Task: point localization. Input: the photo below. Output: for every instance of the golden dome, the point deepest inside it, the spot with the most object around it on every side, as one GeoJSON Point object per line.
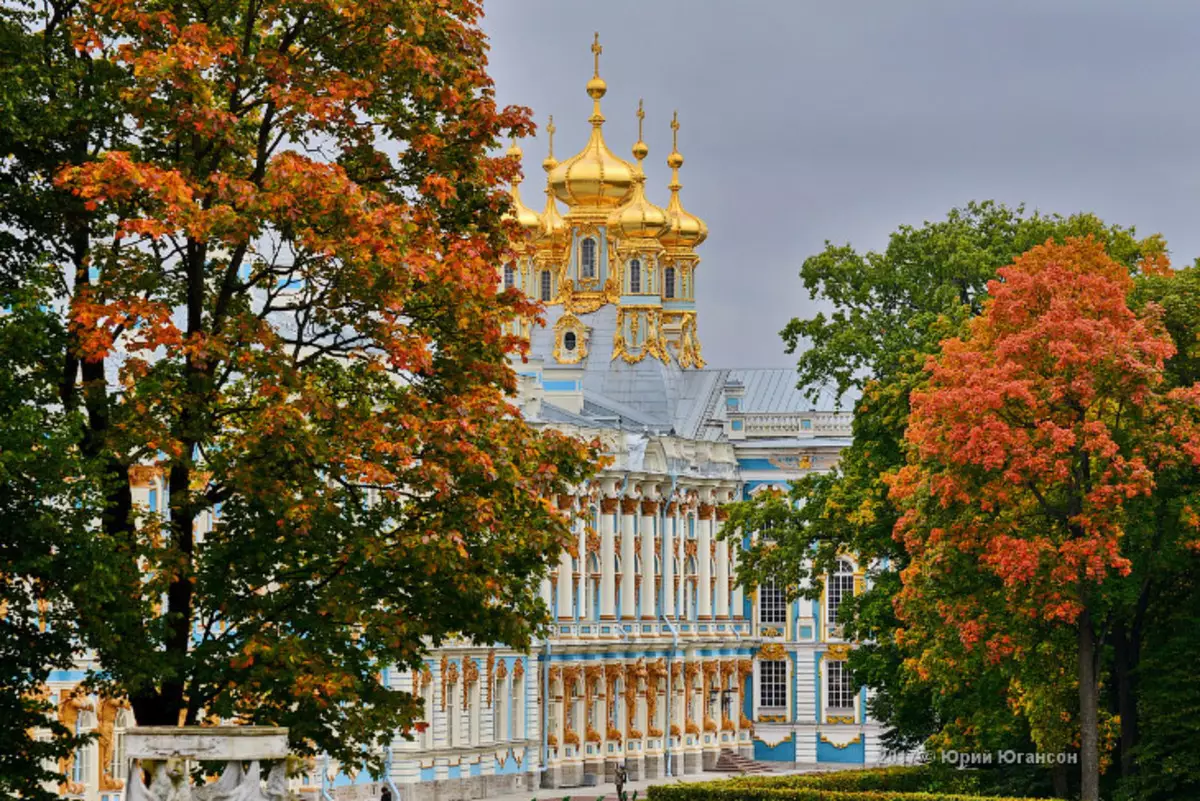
{"type": "Point", "coordinates": [686, 230]}
{"type": "Point", "coordinates": [529, 220]}
{"type": "Point", "coordinates": [553, 224]}
{"type": "Point", "coordinates": [639, 218]}
{"type": "Point", "coordinates": [594, 177]}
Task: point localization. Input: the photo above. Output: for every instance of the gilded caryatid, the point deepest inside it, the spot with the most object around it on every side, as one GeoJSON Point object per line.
{"type": "Point", "coordinates": [593, 181]}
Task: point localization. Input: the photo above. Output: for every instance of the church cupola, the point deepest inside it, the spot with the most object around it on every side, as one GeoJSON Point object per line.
{"type": "Point", "coordinates": [529, 220]}
{"type": "Point", "coordinates": [636, 227]}
{"type": "Point", "coordinates": [686, 230]}
{"type": "Point", "coordinates": [594, 179]}
{"type": "Point", "coordinates": [553, 226]}
{"type": "Point", "coordinates": [639, 218]}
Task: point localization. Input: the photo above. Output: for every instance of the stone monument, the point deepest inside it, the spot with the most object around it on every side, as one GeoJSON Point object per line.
{"type": "Point", "coordinates": [167, 754]}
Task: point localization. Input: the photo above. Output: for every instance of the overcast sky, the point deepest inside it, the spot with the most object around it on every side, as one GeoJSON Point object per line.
{"type": "Point", "coordinates": [804, 122]}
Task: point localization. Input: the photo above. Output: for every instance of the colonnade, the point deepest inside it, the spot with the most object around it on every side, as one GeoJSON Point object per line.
{"type": "Point", "coordinates": [634, 537]}
{"type": "Point", "coordinates": [604, 713]}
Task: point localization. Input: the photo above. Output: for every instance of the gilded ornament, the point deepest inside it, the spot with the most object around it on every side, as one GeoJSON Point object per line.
{"type": "Point", "coordinates": [772, 651]}
{"type": "Point", "coordinates": [837, 651]}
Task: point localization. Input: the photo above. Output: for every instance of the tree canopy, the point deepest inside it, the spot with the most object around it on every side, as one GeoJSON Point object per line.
{"type": "Point", "coordinates": [265, 237]}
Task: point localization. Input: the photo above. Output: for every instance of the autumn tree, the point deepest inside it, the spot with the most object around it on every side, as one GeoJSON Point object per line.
{"type": "Point", "coordinates": [1040, 429]}
{"type": "Point", "coordinates": [266, 233]}
{"type": "Point", "coordinates": [886, 313]}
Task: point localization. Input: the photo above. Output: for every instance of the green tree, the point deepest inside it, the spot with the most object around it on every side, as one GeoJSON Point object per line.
{"type": "Point", "coordinates": [37, 508]}
{"type": "Point", "coordinates": [296, 325]}
{"type": "Point", "coordinates": [890, 311]}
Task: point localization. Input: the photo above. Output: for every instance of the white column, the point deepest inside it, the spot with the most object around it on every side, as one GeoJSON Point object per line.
{"type": "Point", "coordinates": [647, 596]}
{"type": "Point", "coordinates": [668, 568]}
{"type": "Point", "coordinates": [739, 598]}
{"type": "Point", "coordinates": [680, 556]}
{"type": "Point", "coordinates": [547, 593]}
{"type": "Point", "coordinates": [721, 607]}
{"type": "Point", "coordinates": [581, 548]}
{"type": "Point", "coordinates": [608, 587]}
{"type": "Point", "coordinates": [704, 557]}
{"type": "Point", "coordinates": [628, 559]}
{"type": "Point", "coordinates": [564, 586]}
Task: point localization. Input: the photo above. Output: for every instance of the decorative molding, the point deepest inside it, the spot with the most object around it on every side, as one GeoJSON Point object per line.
{"type": "Point", "coordinates": [722, 514]}
{"type": "Point", "coordinates": [470, 676]}
{"type": "Point", "coordinates": [837, 652]}
{"type": "Point", "coordinates": [849, 719]}
{"type": "Point", "coordinates": [629, 506]}
{"type": "Point", "coordinates": [608, 506]}
{"type": "Point", "coordinates": [795, 461]}
{"type": "Point", "coordinates": [772, 651]}
{"type": "Point", "coordinates": [839, 746]}
{"type": "Point", "coordinates": [518, 670]}
{"type": "Point", "coordinates": [649, 507]}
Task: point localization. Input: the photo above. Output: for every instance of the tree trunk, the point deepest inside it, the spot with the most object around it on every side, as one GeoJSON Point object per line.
{"type": "Point", "coordinates": [1089, 743]}
{"type": "Point", "coordinates": [1058, 774]}
{"type": "Point", "coordinates": [1125, 660]}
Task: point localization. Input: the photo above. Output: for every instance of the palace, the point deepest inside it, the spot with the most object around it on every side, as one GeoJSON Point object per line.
{"type": "Point", "coordinates": [657, 660]}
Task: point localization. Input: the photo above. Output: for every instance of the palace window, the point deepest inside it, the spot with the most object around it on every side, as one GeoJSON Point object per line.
{"type": "Point", "coordinates": [510, 276]}
{"type": "Point", "coordinates": [545, 286]}
{"type": "Point", "coordinates": [840, 587]}
{"type": "Point", "coordinates": [772, 605]}
{"type": "Point", "coordinates": [840, 686]}
{"type": "Point", "coordinates": [635, 276]}
{"type": "Point", "coordinates": [772, 684]}
{"type": "Point", "coordinates": [498, 696]}
{"type": "Point", "coordinates": [118, 768]}
{"type": "Point", "coordinates": [518, 696]}
{"type": "Point", "coordinates": [569, 340]}
{"type": "Point", "coordinates": [669, 282]}
{"type": "Point", "coordinates": [587, 258]}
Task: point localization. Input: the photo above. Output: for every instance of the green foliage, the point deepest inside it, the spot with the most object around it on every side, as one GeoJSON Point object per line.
{"type": "Point", "coordinates": [39, 507]}
{"type": "Point", "coordinates": [890, 312]}
{"type": "Point", "coordinates": [898, 783]}
{"type": "Point", "coordinates": [221, 272]}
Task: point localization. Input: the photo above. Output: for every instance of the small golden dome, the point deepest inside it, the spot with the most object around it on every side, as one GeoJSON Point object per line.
{"type": "Point", "coordinates": [553, 225]}
{"type": "Point", "coordinates": [594, 177]}
{"type": "Point", "coordinates": [529, 220]}
{"type": "Point", "coordinates": [639, 218]}
{"type": "Point", "coordinates": [685, 229]}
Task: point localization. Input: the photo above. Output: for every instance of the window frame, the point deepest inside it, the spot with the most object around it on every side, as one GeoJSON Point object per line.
{"type": "Point", "coordinates": [546, 287]}
{"type": "Point", "coordinates": [839, 586]}
{"type": "Point", "coordinates": [635, 276]}
{"type": "Point", "coordinates": [588, 267]}
{"type": "Point", "coordinates": [772, 684]}
{"type": "Point", "coordinates": [669, 283]}
{"type": "Point", "coordinates": [777, 605]}
{"type": "Point", "coordinates": [839, 686]}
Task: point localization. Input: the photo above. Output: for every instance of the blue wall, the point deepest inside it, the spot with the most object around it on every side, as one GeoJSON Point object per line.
{"type": "Point", "coordinates": [780, 752]}
{"type": "Point", "coordinates": [855, 753]}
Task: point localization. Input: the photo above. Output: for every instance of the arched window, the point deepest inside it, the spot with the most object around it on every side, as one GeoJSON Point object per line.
{"type": "Point", "coordinates": [569, 340]}
{"type": "Point", "coordinates": [81, 770]}
{"type": "Point", "coordinates": [635, 276]}
{"type": "Point", "coordinates": [841, 586]}
{"type": "Point", "coordinates": [669, 282]}
{"type": "Point", "coordinates": [587, 258]}
{"type": "Point", "coordinates": [545, 286]}
{"type": "Point", "coordinates": [518, 695]}
{"type": "Point", "coordinates": [510, 276]}
{"type": "Point", "coordinates": [123, 721]}
{"type": "Point", "coordinates": [498, 695]}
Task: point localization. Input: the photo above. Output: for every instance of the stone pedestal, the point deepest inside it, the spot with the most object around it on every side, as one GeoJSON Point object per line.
{"type": "Point", "coordinates": [691, 762]}
{"type": "Point", "coordinates": [165, 751]}
{"type": "Point", "coordinates": [654, 766]}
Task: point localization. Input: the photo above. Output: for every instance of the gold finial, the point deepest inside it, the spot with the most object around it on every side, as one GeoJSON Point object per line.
{"type": "Point", "coordinates": [596, 51]}
{"type": "Point", "coordinates": [675, 160]}
{"type": "Point", "coordinates": [639, 147]}
{"type": "Point", "coordinates": [596, 87]}
{"type": "Point", "coordinates": [550, 162]}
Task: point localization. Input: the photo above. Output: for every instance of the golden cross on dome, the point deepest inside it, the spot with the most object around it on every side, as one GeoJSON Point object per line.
{"type": "Point", "coordinates": [675, 131]}
{"type": "Point", "coordinates": [641, 115]}
{"type": "Point", "coordinates": [596, 51]}
{"type": "Point", "coordinates": [550, 129]}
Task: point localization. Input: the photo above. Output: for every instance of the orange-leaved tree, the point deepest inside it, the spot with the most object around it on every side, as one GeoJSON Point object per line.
{"type": "Point", "coordinates": [1040, 430]}
{"type": "Point", "coordinates": [273, 266]}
